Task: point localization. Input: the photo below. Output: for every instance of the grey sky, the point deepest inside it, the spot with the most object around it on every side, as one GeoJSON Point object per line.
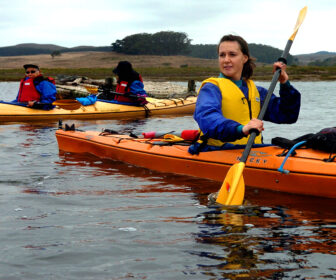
{"type": "Point", "coordinates": [71, 23]}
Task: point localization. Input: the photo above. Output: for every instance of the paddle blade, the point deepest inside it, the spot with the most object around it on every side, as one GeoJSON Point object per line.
{"type": "Point", "coordinates": [172, 138]}
{"type": "Point", "coordinates": [92, 89]}
{"type": "Point", "coordinates": [233, 188]}
{"type": "Point", "coordinates": [299, 21]}
{"type": "Point", "coordinates": [68, 104]}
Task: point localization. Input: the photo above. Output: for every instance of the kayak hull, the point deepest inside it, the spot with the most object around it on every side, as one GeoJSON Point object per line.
{"type": "Point", "coordinates": [99, 110]}
{"type": "Point", "coordinates": [308, 173]}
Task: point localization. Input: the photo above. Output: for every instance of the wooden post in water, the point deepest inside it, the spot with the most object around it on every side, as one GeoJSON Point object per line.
{"type": "Point", "coordinates": [110, 83]}
{"type": "Point", "coordinates": [191, 86]}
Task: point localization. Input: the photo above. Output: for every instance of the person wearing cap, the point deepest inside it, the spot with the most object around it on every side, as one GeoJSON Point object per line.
{"type": "Point", "coordinates": [129, 84]}
{"type": "Point", "coordinates": [35, 90]}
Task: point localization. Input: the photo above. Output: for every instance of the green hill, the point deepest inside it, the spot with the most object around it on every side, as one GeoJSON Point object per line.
{"type": "Point", "coordinates": [32, 49]}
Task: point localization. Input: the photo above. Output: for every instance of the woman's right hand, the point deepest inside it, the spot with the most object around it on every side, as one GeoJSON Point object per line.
{"type": "Point", "coordinates": [253, 124]}
{"type": "Point", "coordinates": [283, 78]}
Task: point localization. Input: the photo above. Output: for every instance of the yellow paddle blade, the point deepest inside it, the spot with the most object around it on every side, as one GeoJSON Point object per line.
{"type": "Point", "coordinates": [299, 21]}
{"type": "Point", "coordinates": [172, 138]}
{"type": "Point", "coordinates": [68, 104]}
{"type": "Point", "coordinates": [92, 89]}
{"type": "Point", "coordinates": [233, 188]}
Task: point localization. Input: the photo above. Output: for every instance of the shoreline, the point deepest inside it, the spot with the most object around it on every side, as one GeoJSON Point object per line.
{"type": "Point", "coordinates": [161, 90]}
{"type": "Point", "coordinates": [155, 89]}
{"type": "Point", "coordinates": [164, 74]}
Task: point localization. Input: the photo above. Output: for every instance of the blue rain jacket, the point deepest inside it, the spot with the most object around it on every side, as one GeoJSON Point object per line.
{"type": "Point", "coordinates": [208, 114]}
{"type": "Point", "coordinates": [47, 91]}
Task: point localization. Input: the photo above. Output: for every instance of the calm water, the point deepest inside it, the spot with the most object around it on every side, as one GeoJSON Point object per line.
{"type": "Point", "coordinates": [77, 217]}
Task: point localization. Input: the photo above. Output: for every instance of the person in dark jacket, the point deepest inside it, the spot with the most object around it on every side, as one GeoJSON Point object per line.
{"type": "Point", "coordinates": [129, 84]}
{"type": "Point", "coordinates": [227, 106]}
{"type": "Point", "coordinates": [36, 90]}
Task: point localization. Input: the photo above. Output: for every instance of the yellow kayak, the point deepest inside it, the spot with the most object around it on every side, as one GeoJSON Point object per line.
{"type": "Point", "coordinates": [99, 110]}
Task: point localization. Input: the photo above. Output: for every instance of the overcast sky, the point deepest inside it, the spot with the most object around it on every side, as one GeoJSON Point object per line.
{"type": "Point", "coordinates": [72, 23]}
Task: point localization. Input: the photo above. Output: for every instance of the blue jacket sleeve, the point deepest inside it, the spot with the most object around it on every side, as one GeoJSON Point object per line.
{"type": "Point", "coordinates": [88, 100]}
{"type": "Point", "coordinates": [48, 93]}
{"type": "Point", "coordinates": [284, 109]}
{"type": "Point", "coordinates": [208, 114]}
{"type": "Point", "coordinates": [137, 87]}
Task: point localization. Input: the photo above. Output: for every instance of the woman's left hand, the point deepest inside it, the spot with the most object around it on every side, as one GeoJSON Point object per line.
{"type": "Point", "coordinates": [283, 78]}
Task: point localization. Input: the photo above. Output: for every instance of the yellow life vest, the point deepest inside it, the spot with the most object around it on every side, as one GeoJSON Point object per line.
{"type": "Point", "coordinates": [236, 107]}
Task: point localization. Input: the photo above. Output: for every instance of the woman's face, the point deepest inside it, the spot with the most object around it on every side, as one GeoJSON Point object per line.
{"type": "Point", "coordinates": [231, 59]}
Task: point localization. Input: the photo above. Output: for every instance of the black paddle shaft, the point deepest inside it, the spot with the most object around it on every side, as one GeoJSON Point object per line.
{"type": "Point", "coordinates": [263, 110]}
{"type": "Point", "coordinates": [128, 94]}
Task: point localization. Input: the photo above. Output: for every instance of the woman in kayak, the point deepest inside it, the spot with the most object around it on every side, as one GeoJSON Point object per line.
{"type": "Point", "coordinates": [129, 84]}
{"type": "Point", "coordinates": [35, 90]}
{"type": "Point", "coordinates": [228, 106]}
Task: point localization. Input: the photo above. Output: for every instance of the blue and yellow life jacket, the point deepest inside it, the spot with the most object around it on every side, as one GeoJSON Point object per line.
{"type": "Point", "coordinates": [236, 107]}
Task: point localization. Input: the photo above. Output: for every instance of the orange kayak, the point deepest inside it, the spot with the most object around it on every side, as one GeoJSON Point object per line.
{"type": "Point", "coordinates": [306, 174]}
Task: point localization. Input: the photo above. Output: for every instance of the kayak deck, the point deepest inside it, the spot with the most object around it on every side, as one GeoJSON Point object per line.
{"type": "Point", "coordinates": [100, 110]}
{"type": "Point", "coordinates": [308, 173]}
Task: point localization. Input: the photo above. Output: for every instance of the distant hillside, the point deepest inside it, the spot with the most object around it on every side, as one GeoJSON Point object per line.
{"type": "Point", "coordinates": [330, 61]}
{"type": "Point", "coordinates": [321, 58]}
{"type": "Point", "coordinates": [267, 54]}
{"type": "Point", "coordinates": [32, 49]}
{"type": "Point", "coordinates": [263, 53]}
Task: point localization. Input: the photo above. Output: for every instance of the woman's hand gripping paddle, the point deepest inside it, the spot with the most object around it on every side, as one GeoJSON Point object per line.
{"type": "Point", "coordinates": [233, 188]}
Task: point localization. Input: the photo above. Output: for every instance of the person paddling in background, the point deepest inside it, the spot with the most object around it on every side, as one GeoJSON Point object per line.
{"type": "Point", "coordinates": [35, 90]}
{"type": "Point", "coordinates": [129, 84]}
{"type": "Point", "coordinates": [227, 107]}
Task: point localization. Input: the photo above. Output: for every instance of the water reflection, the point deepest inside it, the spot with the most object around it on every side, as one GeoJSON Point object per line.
{"type": "Point", "coordinates": [154, 182]}
{"type": "Point", "coordinates": [273, 241]}
{"type": "Point", "coordinates": [266, 238]}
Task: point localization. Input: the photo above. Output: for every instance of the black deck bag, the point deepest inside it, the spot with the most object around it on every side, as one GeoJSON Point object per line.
{"type": "Point", "coordinates": [324, 140]}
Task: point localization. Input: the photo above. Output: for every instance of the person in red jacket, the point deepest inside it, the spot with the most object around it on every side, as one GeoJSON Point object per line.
{"type": "Point", "coordinates": [129, 84]}
{"type": "Point", "coordinates": [36, 90]}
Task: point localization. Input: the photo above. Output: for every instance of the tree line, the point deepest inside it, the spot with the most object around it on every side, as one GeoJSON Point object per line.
{"type": "Point", "coordinates": [160, 43]}
{"type": "Point", "coordinates": [178, 43]}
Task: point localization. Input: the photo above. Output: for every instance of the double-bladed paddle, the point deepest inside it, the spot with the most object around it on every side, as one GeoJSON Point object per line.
{"type": "Point", "coordinates": [233, 188]}
{"type": "Point", "coordinates": [67, 104]}
{"type": "Point", "coordinates": [95, 90]}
